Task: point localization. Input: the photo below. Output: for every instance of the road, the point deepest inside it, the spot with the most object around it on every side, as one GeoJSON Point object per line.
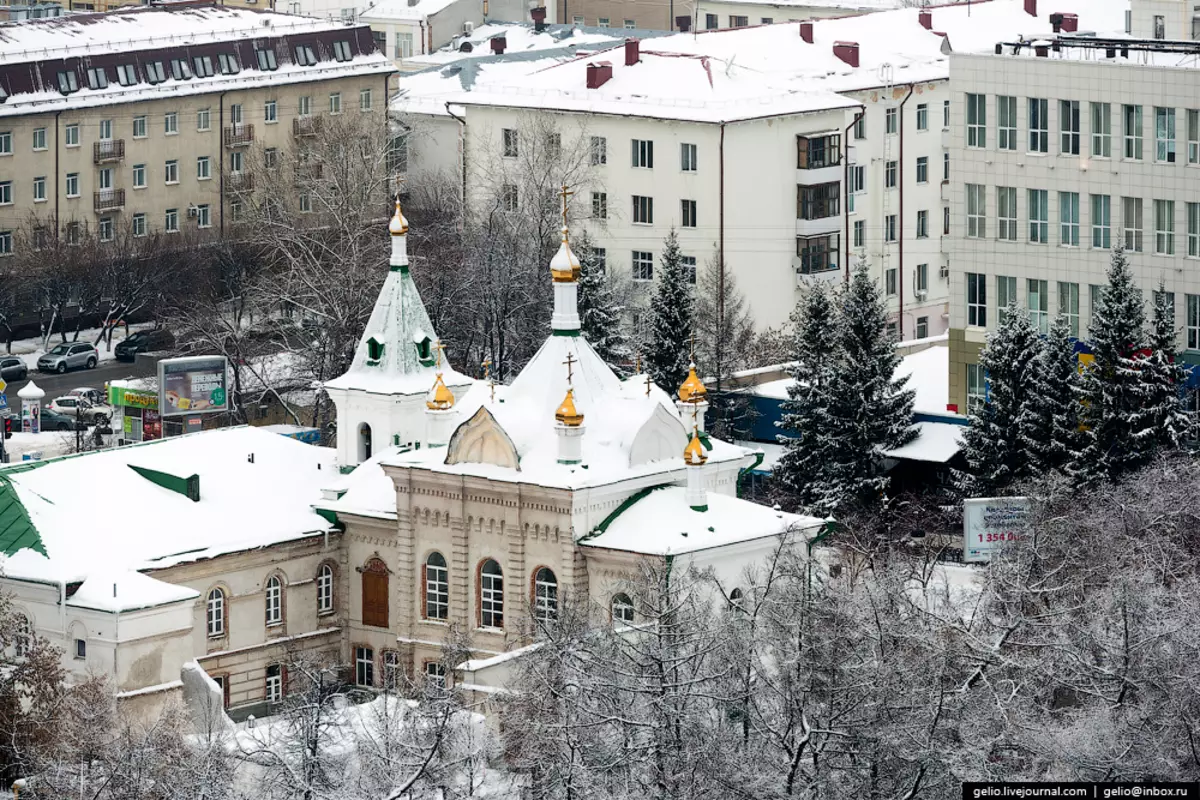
{"type": "Point", "coordinates": [58, 385]}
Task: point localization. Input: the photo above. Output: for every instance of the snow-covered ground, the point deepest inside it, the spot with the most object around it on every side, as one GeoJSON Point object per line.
{"type": "Point", "coordinates": [31, 349]}
{"type": "Point", "coordinates": [49, 443]}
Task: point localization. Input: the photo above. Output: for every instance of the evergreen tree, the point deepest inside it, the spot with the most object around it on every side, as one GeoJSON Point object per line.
{"type": "Point", "coordinates": [992, 444]}
{"type": "Point", "coordinates": [805, 422]}
{"type": "Point", "coordinates": [599, 312]}
{"type": "Point", "coordinates": [724, 341]}
{"type": "Point", "coordinates": [1113, 389]}
{"type": "Point", "coordinates": [669, 347]}
{"type": "Point", "coordinates": [869, 409]}
{"type": "Point", "coordinates": [1163, 411]}
{"type": "Point", "coordinates": [1049, 428]}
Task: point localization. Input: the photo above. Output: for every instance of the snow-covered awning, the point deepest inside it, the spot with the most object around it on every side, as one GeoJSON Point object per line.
{"type": "Point", "coordinates": [936, 443]}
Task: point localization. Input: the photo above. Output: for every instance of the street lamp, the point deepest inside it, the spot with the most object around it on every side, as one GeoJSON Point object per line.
{"type": "Point", "coordinates": [17, 786]}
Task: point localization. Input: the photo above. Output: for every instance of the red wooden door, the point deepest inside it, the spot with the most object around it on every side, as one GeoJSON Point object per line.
{"type": "Point", "coordinates": [375, 594]}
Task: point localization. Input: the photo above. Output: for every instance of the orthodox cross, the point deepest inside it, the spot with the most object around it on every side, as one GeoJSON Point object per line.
{"type": "Point", "coordinates": [487, 372]}
{"type": "Point", "coordinates": [637, 364]}
{"type": "Point", "coordinates": [571, 360]}
{"type": "Point", "coordinates": [439, 347]}
{"type": "Point", "coordinates": [564, 194]}
{"type": "Point", "coordinates": [400, 181]}
{"type": "Point", "coordinates": [647, 384]}
{"type": "Point", "coordinates": [692, 349]}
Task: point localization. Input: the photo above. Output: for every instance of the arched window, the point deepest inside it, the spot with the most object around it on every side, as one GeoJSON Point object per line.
{"type": "Point", "coordinates": [215, 608]}
{"type": "Point", "coordinates": [23, 639]}
{"type": "Point", "coordinates": [437, 587]}
{"type": "Point", "coordinates": [364, 442]}
{"type": "Point", "coordinates": [735, 601]}
{"type": "Point", "coordinates": [325, 589]}
{"type": "Point", "coordinates": [375, 594]}
{"type": "Point", "coordinates": [274, 600]}
{"type": "Point", "coordinates": [491, 595]}
{"type": "Point", "coordinates": [622, 609]}
{"type": "Point", "coordinates": [545, 595]}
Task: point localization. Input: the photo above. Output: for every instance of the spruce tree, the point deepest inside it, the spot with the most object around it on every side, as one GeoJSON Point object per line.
{"type": "Point", "coordinates": [805, 423]}
{"type": "Point", "coordinates": [1049, 428]}
{"type": "Point", "coordinates": [992, 444]}
{"type": "Point", "coordinates": [668, 350]}
{"type": "Point", "coordinates": [724, 341]}
{"type": "Point", "coordinates": [1163, 410]}
{"type": "Point", "coordinates": [599, 312]}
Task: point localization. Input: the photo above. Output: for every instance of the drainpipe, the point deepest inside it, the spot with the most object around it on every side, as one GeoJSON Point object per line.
{"type": "Point", "coordinates": [57, 180]}
{"type": "Point", "coordinates": [221, 152]}
{"type": "Point", "coordinates": [900, 222]}
{"type": "Point", "coordinates": [721, 228]}
{"type": "Point", "coordinates": [846, 186]}
{"type": "Point", "coordinates": [462, 142]}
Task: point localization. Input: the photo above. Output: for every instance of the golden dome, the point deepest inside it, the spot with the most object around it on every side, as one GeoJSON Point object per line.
{"type": "Point", "coordinates": [564, 267]}
{"type": "Point", "coordinates": [399, 225]}
{"type": "Point", "coordinates": [567, 413]}
{"type": "Point", "coordinates": [443, 398]}
{"type": "Point", "coordinates": [692, 390]}
{"type": "Point", "coordinates": [693, 454]}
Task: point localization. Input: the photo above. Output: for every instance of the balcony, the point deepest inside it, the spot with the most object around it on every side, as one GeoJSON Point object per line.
{"type": "Point", "coordinates": [239, 135]}
{"type": "Point", "coordinates": [239, 181]}
{"type": "Point", "coordinates": [306, 126]}
{"type": "Point", "coordinates": [108, 200]}
{"type": "Point", "coordinates": [309, 172]}
{"type": "Point", "coordinates": [108, 150]}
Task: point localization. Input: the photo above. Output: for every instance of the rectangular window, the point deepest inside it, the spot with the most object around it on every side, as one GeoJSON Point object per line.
{"type": "Point", "coordinates": [889, 228]}
{"type": "Point", "coordinates": [510, 200]}
{"type": "Point", "coordinates": [1068, 305]}
{"type": "Point", "coordinates": [304, 106]}
{"type": "Point", "coordinates": [922, 169]}
{"type": "Point", "coordinates": [139, 176]}
{"type": "Point", "coordinates": [365, 100]}
{"type": "Point", "coordinates": [601, 256]}
{"type": "Point", "coordinates": [1006, 296]}
{"type": "Point", "coordinates": [203, 120]}
{"type": "Point", "coordinates": [1101, 130]}
{"type": "Point", "coordinates": [202, 66]}
{"type": "Point", "coordinates": [922, 327]}
{"type": "Point", "coordinates": [156, 73]}
{"type": "Point", "coordinates": [945, 167]}
{"type": "Point", "coordinates": [270, 111]}
{"type": "Point", "coordinates": [976, 299]}
{"type": "Point", "coordinates": [687, 157]}
{"type": "Point", "coordinates": [203, 216]}
{"type": "Point", "coordinates": [890, 171]}
{"type": "Point", "coordinates": [171, 171]}
{"type": "Point", "coordinates": [274, 683]}
{"type": "Point", "coordinates": [97, 79]}
{"type": "Point", "coordinates": [171, 221]}
{"type": "Point", "coordinates": [271, 157]}
{"type": "Point", "coordinates": [860, 231]}
{"type": "Point", "coordinates": [1131, 223]}
{"type": "Point", "coordinates": [39, 138]}
{"type": "Point", "coordinates": [39, 189]}
{"type": "Point", "coordinates": [710, 22]}
{"type": "Point", "coordinates": [643, 210]}
{"type": "Point", "coordinates": [1068, 217]}
{"type": "Point", "coordinates": [72, 184]}
{"type": "Point", "coordinates": [67, 82]}
{"type": "Point", "coordinates": [946, 115]}
{"type": "Point", "coordinates": [139, 224]}
{"type": "Point", "coordinates": [304, 200]}
{"type": "Point", "coordinates": [228, 63]}
{"type": "Point", "coordinates": [364, 666]}
{"type": "Point", "coordinates": [687, 214]}
{"type": "Point", "coordinates": [71, 135]}
{"type": "Point", "coordinates": [1037, 293]}
{"type": "Point", "coordinates": [1095, 293]}
{"type": "Point", "coordinates": [818, 202]}
{"type": "Point", "coordinates": [738, 21]}
{"type": "Point", "coordinates": [1006, 118]}
{"type": "Point", "coordinates": [689, 268]}
{"type": "Point", "coordinates": [171, 123]}
{"type": "Point", "coordinates": [5, 193]}
{"type": "Point", "coordinates": [335, 102]}
{"type": "Point", "coordinates": [890, 118]}
{"type": "Point", "coordinates": [817, 253]}
{"type": "Point", "coordinates": [922, 277]}
{"type": "Point", "coordinates": [1039, 125]}
{"type": "Point", "coordinates": [1069, 126]}
{"type": "Point", "coordinates": [643, 265]}
{"type": "Point", "coordinates": [1101, 221]}
{"type": "Point", "coordinates": [266, 59]}
{"type": "Point", "coordinates": [976, 120]}
{"type": "Point", "coordinates": [976, 388]}
{"type": "Point", "coordinates": [1193, 322]}
{"type": "Point", "coordinates": [6, 143]}
{"type": "Point", "coordinates": [890, 282]}
{"type": "Point", "coordinates": [922, 116]}
{"type": "Point", "coordinates": [1193, 124]}
{"type": "Point", "coordinates": [1039, 216]}
{"type": "Point", "coordinates": [80, 648]}
{"type": "Point", "coordinates": [305, 55]}
{"type": "Point", "coordinates": [643, 153]}
{"type": "Point", "coordinates": [976, 211]}
{"type": "Point", "coordinates": [139, 127]}
{"type": "Point", "coordinates": [602, 22]}
{"type": "Point", "coordinates": [1193, 230]}
{"type": "Point", "coordinates": [817, 152]}
{"type": "Point", "coordinates": [1131, 128]}
{"type": "Point", "coordinates": [630, 24]}
{"type": "Point", "coordinates": [511, 142]}
{"type": "Point", "coordinates": [105, 229]}
{"type": "Point", "coordinates": [599, 205]}
{"type": "Point", "coordinates": [922, 224]}
{"type": "Point", "coordinates": [1164, 135]}
{"type": "Point", "coordinates": [1006, 208]}
{"type": "Point", "coordinates": [1164, 227]}
{"type": "Point", "coordinates": [341, 48]}
{"type": "Point", "coordinates": [203, 168]}
{"type": "Point", "coordinates": [599, 151]}
{"type": "Point", "coordinates": [860, 126]}
{"type": "Point", "coordinates": [858, 184]}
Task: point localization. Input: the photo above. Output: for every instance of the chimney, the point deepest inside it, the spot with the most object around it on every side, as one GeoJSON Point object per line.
{"type": "Point", "coordinates": [1070, 23]}
{"type": "Point", "coordinates": [538, 15]}
{"type": "Point", "coordinates": [1031, 7]}
{"type": "Point", "coordinates": [498, 44]}
{"type": "Point", "coordinates": [1041, 51]}
{"type": "Point", "coordinates": [1056, 23]}
{"type": "Point", "coordinates": [926, 19]}
{"type": "Point", "coordinates": [847, 51]}
{"type": "Point", "coordinates": [806, 32]}
{"type": "Point", "coordinates": [684, 24]}
{"type": "Point", "coordinates": [633, 52]}
{"type": "Point", "coordinates": [598, 74]}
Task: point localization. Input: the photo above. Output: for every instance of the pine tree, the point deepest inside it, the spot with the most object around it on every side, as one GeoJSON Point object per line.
{"type": "Point", "coordinates": [1163, 411]}
{"type": "Point", "coordinates": [599, 312]}
{"type": "Point", "coordinates": [869, 409]}
{"type": "Point", "coordinates": [1049, 428]}
{"type": "Point", "coordinates": [668, 350]}
{"type": "Point", "coordinates": [992, 444]}
{"type": "Point", "coordinates": [805, 422]}
{"type": "Point", "coordinates": [724, 340]}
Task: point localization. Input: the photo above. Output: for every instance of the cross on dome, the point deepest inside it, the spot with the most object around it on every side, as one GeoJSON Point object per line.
{"type": "Point", "coordinates": [564, 194]}
{"type": "Point", "coordinates": [571, 360]}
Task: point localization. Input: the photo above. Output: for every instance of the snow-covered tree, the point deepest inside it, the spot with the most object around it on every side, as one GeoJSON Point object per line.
{"type": "Point", "coordinates": [667, 351]}
{"type": "Point", "coordinates": [724, 340]}
{"type": "Point", "coordinates": [1049, 428]}
{"type": "Point", "coordinates": [992, 444]}
{"type": "Point", "coordinates": [1165, 378]}
{"type": "Point", "coordinates": [599, 311]}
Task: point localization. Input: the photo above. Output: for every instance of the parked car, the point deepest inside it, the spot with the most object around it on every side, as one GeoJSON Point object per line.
{"type": "Point", "coordinates": [81, 408]}
{"type": "Point", "coordinates": [69, 355]}
{"type": "Point", "coordinates": [144, 342]}
{"type": "Point", "coordinates": [54, 421]}
{"type": "Point", "coordinates": [96, 396]}
{"type": "Point", "coordinates": [13, 369]}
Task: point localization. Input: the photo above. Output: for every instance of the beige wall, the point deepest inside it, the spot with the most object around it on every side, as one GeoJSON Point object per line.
{"type": "Point", "coordinates": [654, 15]}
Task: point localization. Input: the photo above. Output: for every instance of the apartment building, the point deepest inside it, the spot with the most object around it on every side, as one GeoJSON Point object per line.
{"type": "Point", "coordinates": [143, 118]}
{"type": "Point", "coordinates": [714, 15]}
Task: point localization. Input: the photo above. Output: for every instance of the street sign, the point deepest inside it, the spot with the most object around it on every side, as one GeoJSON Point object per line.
{"type": "Point", "coordinates": [3, 385]}
{"type": "Point", "coordinates": [3, 400]}
{"type": "Point", "coordinates": [990, 522]}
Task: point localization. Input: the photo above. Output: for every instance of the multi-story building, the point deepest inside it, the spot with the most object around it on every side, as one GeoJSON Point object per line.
{"type": "Point", "coordinates": [141, 119]}
{"type": "Point", "coordinates": [718, 14]}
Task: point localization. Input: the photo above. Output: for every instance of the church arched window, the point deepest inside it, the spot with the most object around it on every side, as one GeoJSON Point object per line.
{"type": "Point", "coordinates": [622, 610]}
{"type": "Point", "coordinates": [437, 587]}
{"type": "Point", "coordinates": [491, 595]}
{"type": "Point", "coordinates": [364, 442]}
{"type": "Point", "coordinates": [545, 595]}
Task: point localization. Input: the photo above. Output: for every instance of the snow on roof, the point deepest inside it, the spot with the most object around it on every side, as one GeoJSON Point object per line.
{"type": "Point", "coordinates": [771, 453]}
{"type": "Point", "coordinates": [125, 590]}
{"type": "Point", "coordinates": [522, 38]}
{"type": "Point", "coordinates": [936, 443]}
{"type": "Point", "coordinates": [928, 373]}
{"type": "Point", "coordinates": [662, 523]}
{"type": "Point", "coordinates": [367, 491]}
{"type": "Point", "coordinates": [96, 515]}
{"type": "Point", "coordinates": [393, 10]}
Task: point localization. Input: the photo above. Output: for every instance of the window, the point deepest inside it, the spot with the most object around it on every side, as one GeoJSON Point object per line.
{"type": "Point", "coordinates": [687, 157]}
{"type": "Point", "coordinates": [1006, 211]}
{"type": "Point", "coordinates": [976, 211]}
{"type": "Point", "coordinates": [1006, 119]}
{"type": "Point", "coordinates": [203, 119]}
{"type": "Point", "coordinates": [1039, 216]}
{"type": "Point", "coordinates": [171, 171]}
{"type": "Point", "coordinates": [97, 79]}
{"type": "Point", "coordinates": [235, 210]}
{"type": "Point", "coordinates": [689, 268]}
{"type": "Point", "coordinates": [1101, 130]}
{"type": "Point", "coordinates": [738, 21]}
{"type": "Point", "coordinates": [1068, 217]}
{"type": "Point", "coordinates": [922, 224]}
{"type": "Point", "coordinates": [1160, 27]}
{"type": "Point", "coordinates": [39, 138]}
{"type": "Point", "coordinates": [203, 168]}
{"type": "Point", "coordinates": [1193, 229]}
{"type": "Point", "coordinates": [270, 111]}
{"type": "Point", "coordinates": [274, 600]}
{"type": "Point", "coordinates": [1006, 296]}
{"type": "Point", "coordinates": [365, 100]}
{"type": "Point", "coordinates": [687, 213]}
{"type": "Point", "coordinates": [622, 609]}
{"type": "Point", "coordinates": [1095, 294]}
{"type": "Point", "coordinates": [139, 127]}
{"type": "Point", "coordinates": [215, 611]}
{"type": "Point", "coordinates": [5, 193]}
{"type": "Point", "coordinates": [891, 282]}
{"type": "Point", "coordinates": [435, 672]}
{"type": "Point", "coordinates": [228, 64]}
{"type": "Point", "coordinates": [545, 595]}
{"type": "Point", "coordinates": [266, 60]}
{"type": "Point", "coordinates": [1193, 322]}
{"type": "Point", "coordinates": [71, 135]}
{"type": "Point", "coordinates": [1037, 294]}
{"type": "Point", "coordinates": [1068, 305]}
{"type": "Point", "coordinates": [491, 595]}
{"type": "Point", "coordinates": [643, 210]}
{"type": "Point", "coordinates": [72, 184]}
{"type": "Point", "coordinates": [325, 589]}
{"type": "Point", "coordinates": [171, 123]}
{"type": "Point", "coordinates": [204, 216]}
{"type": "Point", "coordinates": [202, 66]}
{"type": "Point", "coordinates": [139, 224]}
{"type": "Point", "coordinates": [643, 265]}
{"type": "Point", "coordinates": [391, 670]}
{"type": "Point", "coordinates": [1131, 223]}
{"type": "Point", "coordinates": [81, 648]}
{"type": "Point", "coordinates": [599, 205]}
{"type": "Point", "coordinates": [304, 106]}
{"type": "Point", "coordinates": [305, 56]}
{"type": "Point", "coordinates": [127, 74]}
{"type": "Point", "coordinates": [106, 229]}
{"type": "Point", "coordinates": [510, 142]}
{"type": "Point", "coordinates": [39, 189]}
{"type": "Point", "coordinates": [976, 388]}
{"type": "Point", "coordinates": [1039, 125]}
{"type": "Point", "coordinates": [977, 299]}
{"type": "Point", "coordinates": [155, 73]}
{"type": "Point", "coordinates": [1131, 120]}
{"type": "Point", "coordinates": [890, 118]}
{"type": "Point", "coordinates": [1164, 227]}
{"type": "Point", "coordinates": [817, 253]}
{"type": "Point", "coordinates": [601, 256]}
{"type": "Point", "coordinates": [139, 176]}
{"type": "Point", "coordinates": [1101, 221]}
{"type": "Point", "coordinates": [73, 232]}
{"type": "Point", "coordinates": [67, 82]}
{"type": "Point", "coordinates": [976, 120]}
{"type": "Point", "coordinates": [23, 638]}
{"type": "Point", "coordinates": [922, 327]}
{"type": "Point", "coordinates": [630, 24]}
{"type": "Point", "coordinates": [599, 150]}
{"type": "Point", "coordinates": [304, 200]}
{"type": "Point", "coordinates": [437, 587]}
{"type": "Point", "coordinates": [860, 233]}
{"type": "Point", "coordinates": [274, 683]}
{"type": "Point", "coordinates": [818, 202]}
{"type": "Point", "coordinates": [1164, 135]}
{"type": "Point", "coordinates": [860, 126]}
{"type": "Point", "coordinates": [509, 197]}
{"type": "Point", "coordinates": [171, 222]}
{"type": "Point", "coordinates": [922, 278]}
{"type": "Point", "coordinates": [890, 170]}
{"type": "Point", "coordinates": [1069, 126]}
{"type": "Point", "coordinates": [180, 70]}
{"type": "Point", "coordinates": [602, 22]}
{"type": "Point", "coordinates": [553, 144]}
{"type": "Point", "coordinates": [341, 50]}
{"type": "Point", "coordinates": [858, 182]}
{"type": "Point", "coordinates": [946, 115]}
{"type": "Point", "coordinates": [710, 22]}
{"type": "Point", "coordinates": [270, 157]}
{"type": "Point", "coordinates": [922, 116]}
{"type": "Point", "coordinates": [643, 153]}
{"type": "Point", "coordinates": [335, 102]}
{"type": "Point", "coordinates": [364, 666]}
{"type": "Point", "coordinates": [922, 169]}
{"type": "Point", "coordinates": [945, 167]}
{"type": "Point", "coordinates": [889, 228]}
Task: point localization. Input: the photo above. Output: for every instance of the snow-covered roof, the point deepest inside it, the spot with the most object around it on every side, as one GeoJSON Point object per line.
{"type": "Point", "coordinates": [395, 10]}
{"type": "Point", "coordinates": [928, 373]}
{"type": "Point", "coordinates": [126, 590]}
{"type": "Point", "coordinates": [522, 39]}
{"type": "Point", "coordinates": [936, 443]}
{"type": "Point", "coordinates": [110, 512]}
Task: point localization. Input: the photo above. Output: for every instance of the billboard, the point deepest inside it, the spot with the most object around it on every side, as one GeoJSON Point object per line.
{"type": "Point", "coordinates": [990, 522]}
{"type": "Point", "coordinates": [192, 385]}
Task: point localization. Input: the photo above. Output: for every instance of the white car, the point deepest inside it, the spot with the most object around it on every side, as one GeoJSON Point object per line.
{"type": "Point", "coordinates": [85, 409]}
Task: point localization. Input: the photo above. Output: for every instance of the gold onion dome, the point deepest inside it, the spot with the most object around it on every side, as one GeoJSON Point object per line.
{"type": "Point", "coordinates": [399, 225]}
{"type": "Point", "coordinates": [443, 398]}
{"type": "Point", "coordinates": [693, 454]}
{"type": "Point", "coordinates": [564, 267]}
{"type": "Point", "coordinates": [567, 414]}
{"type": "Point", "coordinates": [692, 390]}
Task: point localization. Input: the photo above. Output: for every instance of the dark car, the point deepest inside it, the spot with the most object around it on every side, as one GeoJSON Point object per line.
{"type": "Point", "coordinates": [53, 421]}
{"type": "Point", "coordinates": [13, 369]}
{"type": "Point", "coordinates": [144, 342]}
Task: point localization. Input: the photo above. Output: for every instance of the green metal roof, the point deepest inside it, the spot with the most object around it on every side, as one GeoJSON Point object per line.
{"type": "Point", "coordinates": [17, 531]}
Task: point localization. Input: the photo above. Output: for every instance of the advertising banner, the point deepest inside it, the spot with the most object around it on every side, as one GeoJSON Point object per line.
{"type": "Point", "coordinates": [193, 385]}
{"type": "Point", "coordinates": [990, 522]}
